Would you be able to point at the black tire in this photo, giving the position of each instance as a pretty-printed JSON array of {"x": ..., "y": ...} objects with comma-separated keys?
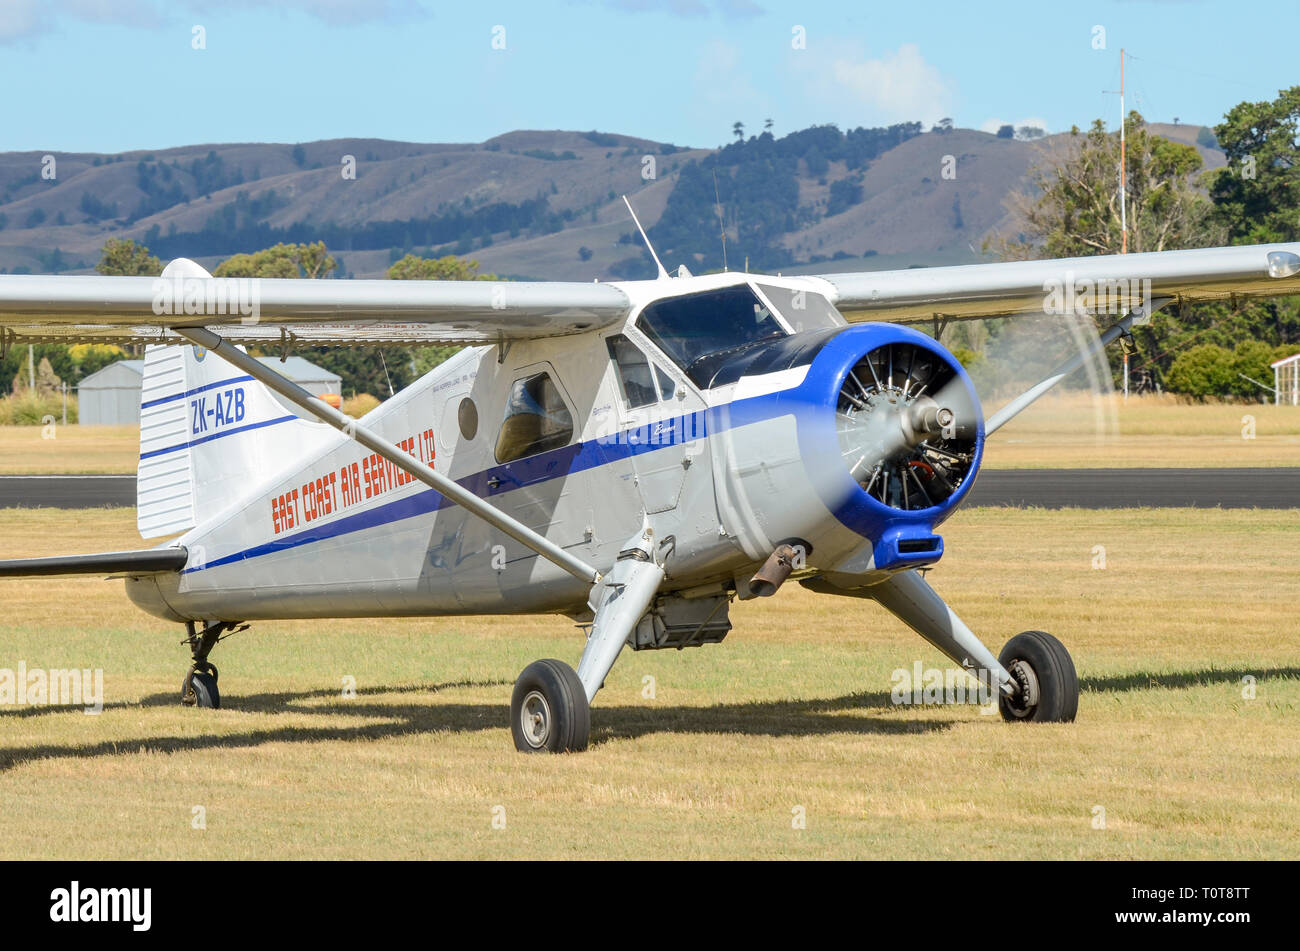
[
  {"x": 200, "y": 690},
  {"x": 1049, "y": 683},
  {"x": 548, "y": 710}
]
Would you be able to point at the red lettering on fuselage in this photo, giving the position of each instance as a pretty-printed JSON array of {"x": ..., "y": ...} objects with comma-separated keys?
[{"x": 351, "y": 484}]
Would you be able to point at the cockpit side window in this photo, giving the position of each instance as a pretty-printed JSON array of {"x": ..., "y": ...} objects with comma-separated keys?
[
  {"x": 634, "y": 374},
  {"x": 666, "y": 385},
  {"x": 699, "y": 332},
  {"x": 536, "y": 419},
  {"x": 803, "y": 309}
]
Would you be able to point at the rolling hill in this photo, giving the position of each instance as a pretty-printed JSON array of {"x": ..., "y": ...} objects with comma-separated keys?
[{"x": 542, "y": 204}]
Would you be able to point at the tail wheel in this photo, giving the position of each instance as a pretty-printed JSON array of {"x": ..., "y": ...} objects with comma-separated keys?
[
  {"x": 200, "y": 689},
  {"x": 1043, "y": 671},
  {"x": 548, "y": 710}
]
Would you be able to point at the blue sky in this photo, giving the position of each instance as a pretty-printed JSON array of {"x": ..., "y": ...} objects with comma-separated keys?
[{"x": 110, "y": 75}]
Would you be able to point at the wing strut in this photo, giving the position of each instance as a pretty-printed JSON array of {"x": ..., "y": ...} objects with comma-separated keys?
[
  {"x": 1023, "y": 401},
  {"x": 351, "y": 428}
]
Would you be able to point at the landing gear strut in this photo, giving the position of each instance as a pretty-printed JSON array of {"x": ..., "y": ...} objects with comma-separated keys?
[
  {"x": 1035, "y": 677},
  {"x": 199, "y": 688},
  {"x": 550, "y": 710}
]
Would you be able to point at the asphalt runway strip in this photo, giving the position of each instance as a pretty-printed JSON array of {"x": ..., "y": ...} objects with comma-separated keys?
[{"x": 1277, "y": 488}]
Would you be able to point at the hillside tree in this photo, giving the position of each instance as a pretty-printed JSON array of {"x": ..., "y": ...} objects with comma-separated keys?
[
  {"x": 447, "y": 268},
  {"x": 122, "y": 256},
  {"x": 281, "y": 260},
  {"x": 1072, "y": 208},
  {"x": 370, "y": 370},
  {"x": 1257, "y": 194}
]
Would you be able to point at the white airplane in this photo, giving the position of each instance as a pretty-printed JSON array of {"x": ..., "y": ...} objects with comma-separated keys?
[{"x": 634, "y": 455}]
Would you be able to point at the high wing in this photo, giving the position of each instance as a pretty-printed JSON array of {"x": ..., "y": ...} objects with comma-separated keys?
[
  {"x": 1024, "y": 287},
  {"x": 69, "y": 309}
]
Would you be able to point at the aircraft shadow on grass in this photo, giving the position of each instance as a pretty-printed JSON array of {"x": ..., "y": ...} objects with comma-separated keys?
[
  {"x": 792, "y": 717},
  {"x": 1177, "y": 680}
]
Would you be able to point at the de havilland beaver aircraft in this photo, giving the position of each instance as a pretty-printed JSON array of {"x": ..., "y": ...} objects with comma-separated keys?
[{"x": 634, "y": 455}]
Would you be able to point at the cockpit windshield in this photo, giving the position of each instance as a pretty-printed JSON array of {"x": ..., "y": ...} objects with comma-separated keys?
[{"x": 699, "y": 332}]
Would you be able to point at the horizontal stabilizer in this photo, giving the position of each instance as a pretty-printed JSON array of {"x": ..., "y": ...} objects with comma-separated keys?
[{"x": 110, "y": 562}]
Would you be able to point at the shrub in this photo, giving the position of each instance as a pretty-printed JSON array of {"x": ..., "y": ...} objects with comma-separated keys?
[
  {"x": 29, "y": 409},
  {"x": 1204, "y": 371},
  {"x": 1209, "y": 371},
  {"x": 360, "y": 404}
]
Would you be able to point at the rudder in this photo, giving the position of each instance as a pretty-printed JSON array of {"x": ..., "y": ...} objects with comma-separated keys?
[{"x": 209, "y": 436}]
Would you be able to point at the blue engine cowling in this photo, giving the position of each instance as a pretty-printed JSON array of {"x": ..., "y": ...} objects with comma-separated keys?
[{"x": 889, "y": 436}]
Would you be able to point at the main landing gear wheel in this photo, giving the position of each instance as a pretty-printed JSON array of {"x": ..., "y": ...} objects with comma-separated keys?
[
  {"x": 548, "y": 710},
  {"x": 1048, "y": 685},
  {"x": 199, "y": 689}
]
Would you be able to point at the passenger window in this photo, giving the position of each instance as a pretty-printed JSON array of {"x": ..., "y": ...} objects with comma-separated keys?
[
  {"x": 536, "y": 419},
  {"x": 633, "y": 371}
]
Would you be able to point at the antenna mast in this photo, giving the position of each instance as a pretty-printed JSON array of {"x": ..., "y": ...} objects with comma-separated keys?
[
  {"x": 722, "y": 227},
  {"x": 636, "y": 221}
]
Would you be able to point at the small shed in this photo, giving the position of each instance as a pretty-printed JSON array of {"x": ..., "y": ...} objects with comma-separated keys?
[
  {"x": 315, "y": 380},
  {"x": 1286, "y": 381},
  {"x": 111, "y": 396}
]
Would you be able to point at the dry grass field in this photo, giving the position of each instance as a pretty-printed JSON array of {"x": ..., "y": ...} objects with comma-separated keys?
[
  {"x": 792, "y": 710},
  {"x": 1060, "y": 432},
  {"x": 1076, "y": 431},
  {"x": 90, "y": 450}
]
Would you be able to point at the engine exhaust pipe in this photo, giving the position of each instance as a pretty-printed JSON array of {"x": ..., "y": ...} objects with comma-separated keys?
[{"x": 775, "y": 570}]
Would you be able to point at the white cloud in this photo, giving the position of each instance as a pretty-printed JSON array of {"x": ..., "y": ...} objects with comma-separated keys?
[
  {"x": 899, "y": 86},
  {"x": 722, "y": 82},
  {"x": 26, "y": 18},
  {"x": 731, "y": 9},
  {"x": 22, "y": 19},
  {"x": 334, "y": 12}
]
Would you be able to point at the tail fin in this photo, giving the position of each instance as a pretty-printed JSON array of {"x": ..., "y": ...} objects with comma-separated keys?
[{"x": 209, "y": 436}]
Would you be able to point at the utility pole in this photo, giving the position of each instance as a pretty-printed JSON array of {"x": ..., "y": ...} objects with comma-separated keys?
[
  {"x": 31, "y": 369},
  {"x": 1123, "y": 160},
  {"x": 1123, "y": 190},
  {"x": 1123, "y": 168}
]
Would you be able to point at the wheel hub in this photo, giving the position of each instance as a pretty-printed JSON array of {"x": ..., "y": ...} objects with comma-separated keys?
[
  {"x": 1026, "y": 698},
  {"x": 535, "y": 719}
]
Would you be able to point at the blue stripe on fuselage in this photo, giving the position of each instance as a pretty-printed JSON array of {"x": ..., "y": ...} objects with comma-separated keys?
[{"x": 555, "y": 464}]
